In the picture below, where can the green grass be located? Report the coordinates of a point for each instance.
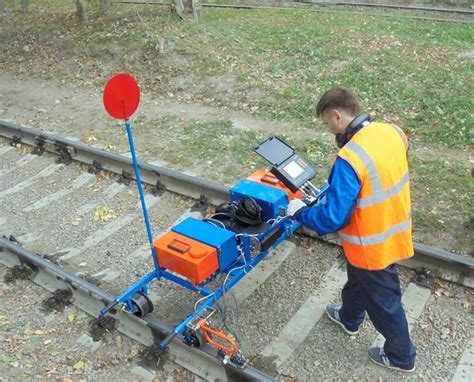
(442, 199)
(405, 69)
(408, 69)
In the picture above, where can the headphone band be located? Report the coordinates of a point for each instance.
(360, 119)
(356, 124)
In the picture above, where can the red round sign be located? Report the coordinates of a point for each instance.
(121, 96)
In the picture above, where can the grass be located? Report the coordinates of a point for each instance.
(414, 73)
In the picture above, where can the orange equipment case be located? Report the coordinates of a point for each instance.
(268, 179)
(185, 256)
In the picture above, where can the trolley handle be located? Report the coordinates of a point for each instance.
(270, 179)
(179, 246)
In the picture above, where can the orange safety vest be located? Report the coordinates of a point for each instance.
(379, 230)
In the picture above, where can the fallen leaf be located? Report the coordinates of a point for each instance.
(89, 138)
(71, 316)
(79, 365)
(103, 214)
(52, 371)
(10, 361)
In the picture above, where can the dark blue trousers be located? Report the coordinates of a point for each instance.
(378, 293)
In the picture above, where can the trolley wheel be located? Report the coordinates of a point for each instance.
(195, 339)
(142, 304)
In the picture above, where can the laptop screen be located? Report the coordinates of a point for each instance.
(274, 151)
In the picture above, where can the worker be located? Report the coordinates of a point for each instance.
(368, 204)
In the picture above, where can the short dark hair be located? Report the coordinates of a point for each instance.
(338, 97)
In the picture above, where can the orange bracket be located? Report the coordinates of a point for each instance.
(209, 333)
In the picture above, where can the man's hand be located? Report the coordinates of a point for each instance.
(294, 206)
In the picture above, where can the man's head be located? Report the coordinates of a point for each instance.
(337, 108)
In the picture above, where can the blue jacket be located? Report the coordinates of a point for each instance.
(334, 211)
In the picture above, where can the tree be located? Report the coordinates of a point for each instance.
(82, 7)
(24, 6)
(81, 11)
(185, 7)
(105, 6)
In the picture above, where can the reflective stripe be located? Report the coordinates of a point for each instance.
(378, 238)
(389, 192)
(399, 131)
(402, 135)
(369, 164)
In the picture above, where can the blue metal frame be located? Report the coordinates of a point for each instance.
(237, 270)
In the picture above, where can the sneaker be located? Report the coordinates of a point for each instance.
(333, 313)
(377, 355)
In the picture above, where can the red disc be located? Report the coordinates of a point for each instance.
(121, 96)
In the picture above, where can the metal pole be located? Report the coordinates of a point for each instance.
(140, 190)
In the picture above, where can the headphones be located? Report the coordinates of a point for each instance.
(245, 210)
(248, 211)
(356, 124)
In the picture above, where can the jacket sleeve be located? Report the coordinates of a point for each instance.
(333, 213)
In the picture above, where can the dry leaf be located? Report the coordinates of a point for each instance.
(10, 361)
(89, 138)
(71, 316)
(103, 214)
(79, 365)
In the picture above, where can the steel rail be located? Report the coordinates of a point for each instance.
(317, 8)
(151, 174)
(391, 6)
(147, 330)
(320, 3)
(441, 263)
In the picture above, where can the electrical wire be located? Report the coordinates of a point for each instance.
(202, 299)
(212, 221)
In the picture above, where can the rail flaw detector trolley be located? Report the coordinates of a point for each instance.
(229, 243)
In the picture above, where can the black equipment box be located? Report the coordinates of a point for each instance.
(288, 165)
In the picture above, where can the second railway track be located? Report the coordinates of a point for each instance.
(91, 225)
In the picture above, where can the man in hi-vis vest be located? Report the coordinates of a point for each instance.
(368, 204)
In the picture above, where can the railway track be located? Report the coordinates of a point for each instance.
(75, 212)
(321, 6)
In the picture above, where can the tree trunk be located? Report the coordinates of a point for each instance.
(2, 7)
(81, 11)
(196, 9)
(105, 6)
(187, 7)
(179, 7)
